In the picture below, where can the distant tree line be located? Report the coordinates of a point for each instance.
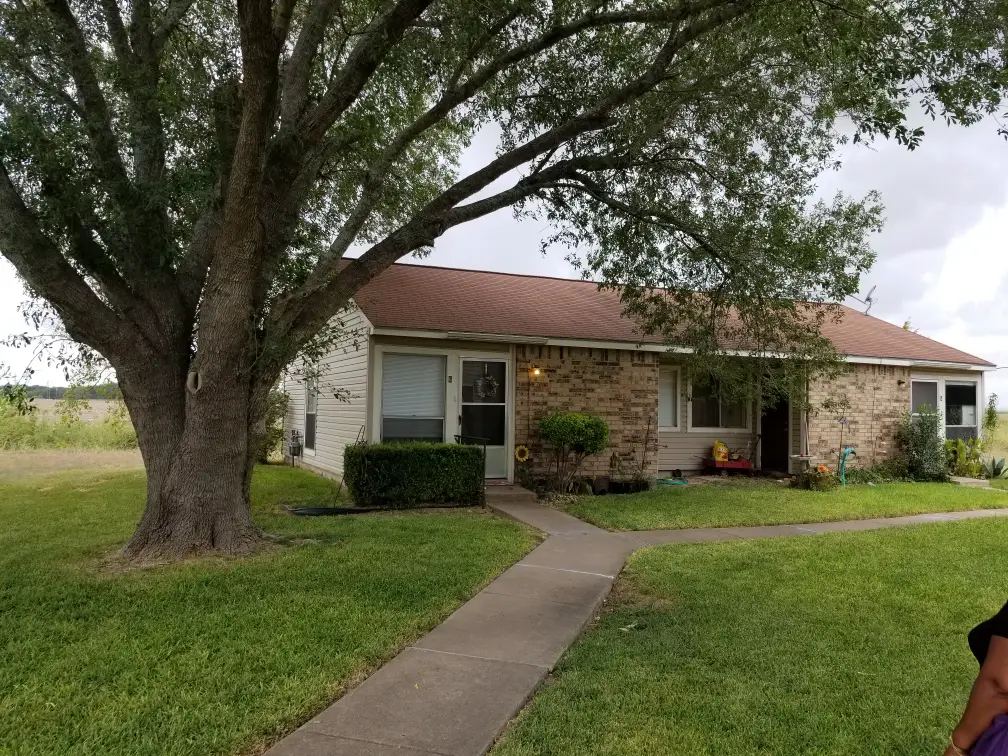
(101, 391)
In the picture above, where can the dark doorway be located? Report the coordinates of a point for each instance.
(775, 442)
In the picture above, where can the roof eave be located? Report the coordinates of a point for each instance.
(650, 346)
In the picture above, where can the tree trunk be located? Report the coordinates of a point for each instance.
(198, 454)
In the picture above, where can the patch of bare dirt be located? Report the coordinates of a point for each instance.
(18, 465)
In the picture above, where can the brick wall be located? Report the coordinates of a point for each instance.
(876, 401)
(620, 386)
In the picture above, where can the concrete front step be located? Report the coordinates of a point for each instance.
(971, 482)
(509, 493)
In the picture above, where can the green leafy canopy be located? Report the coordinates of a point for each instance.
(173, 170)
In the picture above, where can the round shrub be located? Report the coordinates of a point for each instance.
(583, 433)
(572, 436)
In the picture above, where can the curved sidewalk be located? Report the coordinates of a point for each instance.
(454, 691)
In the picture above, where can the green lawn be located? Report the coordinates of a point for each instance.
(771, 503)
(840, 644)
(214, 657)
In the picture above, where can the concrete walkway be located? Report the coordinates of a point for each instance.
(454, 691)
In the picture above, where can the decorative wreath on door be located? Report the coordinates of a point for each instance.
(486, 387)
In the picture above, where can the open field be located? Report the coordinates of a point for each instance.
(758, 502)
(97, 410)
(17, 465)
(218, 656)
(45, 429)
(999, 447)
(830, 645)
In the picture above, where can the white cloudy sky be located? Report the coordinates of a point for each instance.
(942, 258)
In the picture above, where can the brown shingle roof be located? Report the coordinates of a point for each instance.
(427, 298)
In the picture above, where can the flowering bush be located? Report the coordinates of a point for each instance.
(819, 478)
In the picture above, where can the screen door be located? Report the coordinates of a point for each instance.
(483, 411)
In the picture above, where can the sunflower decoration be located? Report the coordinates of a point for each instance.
(522, 453)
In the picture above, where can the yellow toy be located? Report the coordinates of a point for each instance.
(720, 452)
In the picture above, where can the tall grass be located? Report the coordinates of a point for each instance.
(36, 431)
(999, 444)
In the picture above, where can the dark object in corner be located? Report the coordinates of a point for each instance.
(600, 485)
(330, 511)
(628, 486)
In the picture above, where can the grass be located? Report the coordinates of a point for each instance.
(770, 503)
(42, 431)
(999, 443)
(216, 656)
(828, 645)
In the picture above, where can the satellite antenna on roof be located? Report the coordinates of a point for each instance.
(868, 301)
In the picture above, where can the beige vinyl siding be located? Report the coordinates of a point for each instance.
(338, 423)
(683, 450)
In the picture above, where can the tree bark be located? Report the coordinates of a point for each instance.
(199, 452)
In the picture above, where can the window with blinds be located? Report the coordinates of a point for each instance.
(413, 397)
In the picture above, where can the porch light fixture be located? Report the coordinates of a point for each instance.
(536, 370)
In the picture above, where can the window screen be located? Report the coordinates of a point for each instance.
(668, 398)
(960, 410)
(709, 411)
(413, 397)
(706, 409)
(923, 394)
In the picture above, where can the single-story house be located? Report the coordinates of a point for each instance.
(445, 354)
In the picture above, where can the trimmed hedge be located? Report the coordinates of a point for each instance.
(402, 475)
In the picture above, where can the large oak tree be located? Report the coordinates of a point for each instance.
(180, 180)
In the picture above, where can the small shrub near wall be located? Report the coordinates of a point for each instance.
(572, 436)
(922, 447)
(398, 476)
(888, 471)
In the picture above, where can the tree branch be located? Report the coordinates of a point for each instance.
(298, 72)
(54, 91)
(192, 269)
(97, 119)
(346, 84)
(172, 18)
(40, 263)
(117, 32)
(282, 19)
(328, 286)
(378, 172)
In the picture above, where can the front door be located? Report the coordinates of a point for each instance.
(775, 439)
(483, 411)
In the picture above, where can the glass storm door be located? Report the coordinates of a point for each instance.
(483, 411)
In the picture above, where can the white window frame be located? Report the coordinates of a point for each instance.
(307, 383)
(945, 378)
(690, 428)
(977, 410)
(939, 396)
(677, 370)
(452, 353)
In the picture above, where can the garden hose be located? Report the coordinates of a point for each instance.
(847, 452)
